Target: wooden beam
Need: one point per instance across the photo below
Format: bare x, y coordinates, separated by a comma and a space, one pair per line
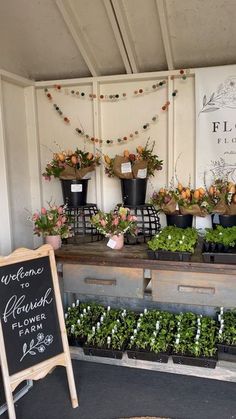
122, 21
161, 8
72, 21
117, 34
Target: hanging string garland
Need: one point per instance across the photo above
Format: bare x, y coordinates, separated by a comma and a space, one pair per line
111, 96
116, 96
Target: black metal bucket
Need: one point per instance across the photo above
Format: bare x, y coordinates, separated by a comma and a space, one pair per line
179, 220
227, 220
74, 192
133, 191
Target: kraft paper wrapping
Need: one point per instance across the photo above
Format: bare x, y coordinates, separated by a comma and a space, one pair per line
169, 208
118, 160
221, 207
138, 165
70, 173
232, 209
194, 209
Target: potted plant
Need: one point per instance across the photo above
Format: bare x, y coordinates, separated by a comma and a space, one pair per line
173, 243
134, 170
220, 245
114, 225
79, 320
222, 195
195, 342
180, 204
71, 167
227, 335
52, 223
108, 337
152, 336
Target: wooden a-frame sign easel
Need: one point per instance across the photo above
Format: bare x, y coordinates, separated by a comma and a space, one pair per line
24, 258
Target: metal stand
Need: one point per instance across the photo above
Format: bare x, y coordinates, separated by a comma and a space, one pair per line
18, 395
148, 223
82, 229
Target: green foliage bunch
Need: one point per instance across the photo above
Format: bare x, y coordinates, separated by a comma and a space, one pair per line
112, 330
227, 331
80, 318
195, 336
174, 239
221, 235
154, 331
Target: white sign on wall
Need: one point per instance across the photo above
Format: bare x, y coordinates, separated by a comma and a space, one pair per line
215, 124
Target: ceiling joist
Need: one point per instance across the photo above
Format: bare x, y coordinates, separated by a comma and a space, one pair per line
161, 8
122, 21
71, 19
117, 34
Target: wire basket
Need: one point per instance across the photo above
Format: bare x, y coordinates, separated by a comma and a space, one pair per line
82, 229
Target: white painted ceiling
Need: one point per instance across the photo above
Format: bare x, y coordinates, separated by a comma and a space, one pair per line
60, 39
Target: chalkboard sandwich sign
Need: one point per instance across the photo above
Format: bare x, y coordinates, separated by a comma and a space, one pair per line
32, 330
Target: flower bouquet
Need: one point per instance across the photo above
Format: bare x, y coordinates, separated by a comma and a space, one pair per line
222, 195
115, 224
51, 222
71, 165
142, 165
181, 200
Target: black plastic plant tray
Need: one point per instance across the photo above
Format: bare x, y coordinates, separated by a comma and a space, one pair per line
210, 247
226, 352
148, 356
215, 257
107, 353
194, 361
167, 255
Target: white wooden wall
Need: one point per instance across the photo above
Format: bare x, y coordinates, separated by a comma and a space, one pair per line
30, 128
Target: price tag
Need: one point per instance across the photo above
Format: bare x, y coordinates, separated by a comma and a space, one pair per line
126, 167
142, 173
216, 218
111, 243
76, 188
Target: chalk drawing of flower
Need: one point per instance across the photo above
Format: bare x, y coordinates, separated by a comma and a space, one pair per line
224, 97
39, 345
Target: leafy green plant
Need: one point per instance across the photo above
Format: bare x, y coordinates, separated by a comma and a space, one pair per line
221, 235
195, 336
227, 331
174, 239
154, 331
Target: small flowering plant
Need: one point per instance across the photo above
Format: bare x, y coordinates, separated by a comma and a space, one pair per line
116, 222
142, 164
71, 164
174, 239
51, 222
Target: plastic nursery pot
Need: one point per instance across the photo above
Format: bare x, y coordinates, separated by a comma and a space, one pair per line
133, 191
74, 192
227, 220
179, 220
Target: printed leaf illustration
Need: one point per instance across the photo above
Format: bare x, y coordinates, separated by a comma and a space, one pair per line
204, 100
213, 94
32, 353
210, 109
32, 343
24, 348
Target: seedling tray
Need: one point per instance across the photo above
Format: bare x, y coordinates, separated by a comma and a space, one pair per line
226, 352
148, 356
167, 255
217, 257
106, 353
194, 361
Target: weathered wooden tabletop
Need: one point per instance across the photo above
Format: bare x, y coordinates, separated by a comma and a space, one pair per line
134, 256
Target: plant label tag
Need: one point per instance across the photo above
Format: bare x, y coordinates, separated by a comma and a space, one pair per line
216, 218
111, 243
142, 173
177, 207
126, 167
76, 188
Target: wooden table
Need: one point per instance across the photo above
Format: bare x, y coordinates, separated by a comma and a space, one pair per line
94, 269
